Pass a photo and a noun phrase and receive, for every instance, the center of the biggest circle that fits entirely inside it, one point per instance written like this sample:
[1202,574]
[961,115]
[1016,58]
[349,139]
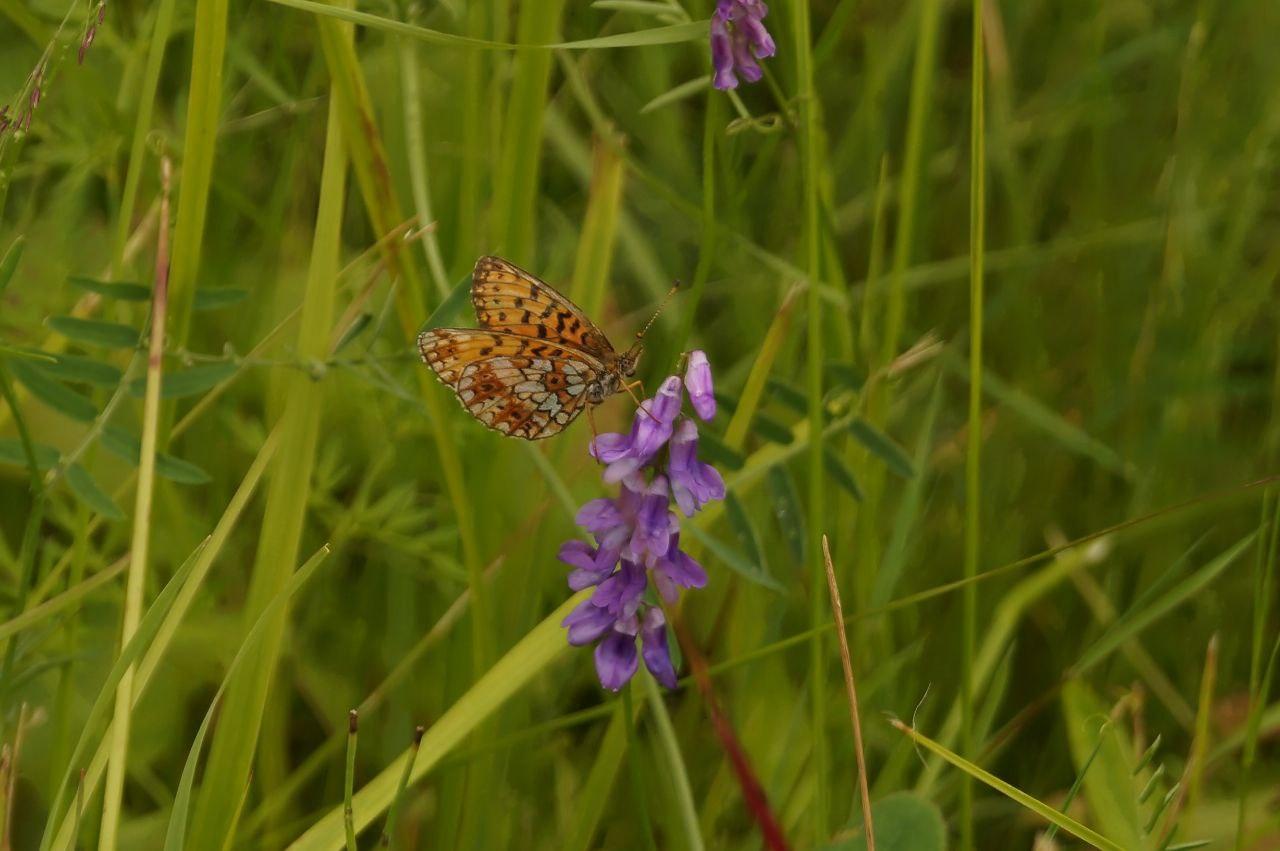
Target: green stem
[349,782]
[973,491]
[713,120]
[917,116]
[140,544]
[810,262]
[415,150]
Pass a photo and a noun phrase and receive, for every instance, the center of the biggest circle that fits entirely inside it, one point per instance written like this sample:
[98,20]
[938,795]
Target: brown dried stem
[847,662]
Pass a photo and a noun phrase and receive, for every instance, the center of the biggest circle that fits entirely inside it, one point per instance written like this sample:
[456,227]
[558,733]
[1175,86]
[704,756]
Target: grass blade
[235,741]
[1133,623]
[675,764]
[175,835]
[396,802]
[600,779]
[539,648]
[202,563]
[1038,807]
[142,638]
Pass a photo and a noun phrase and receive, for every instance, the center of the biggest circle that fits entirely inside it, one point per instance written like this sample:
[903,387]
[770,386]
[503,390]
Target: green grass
[992,307]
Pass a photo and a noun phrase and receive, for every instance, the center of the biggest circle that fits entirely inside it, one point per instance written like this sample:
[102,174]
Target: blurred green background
[331,185]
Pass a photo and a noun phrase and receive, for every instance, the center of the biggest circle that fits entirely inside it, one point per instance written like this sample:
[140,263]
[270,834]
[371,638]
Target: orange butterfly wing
[522,387]
[507,298]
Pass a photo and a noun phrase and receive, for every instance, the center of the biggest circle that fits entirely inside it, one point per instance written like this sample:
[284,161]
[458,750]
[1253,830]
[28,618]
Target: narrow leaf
[91,726]
[109,289]
[1108,784]
[839,373]
[732,559]
[53,393]
[786,510]
[363,321]
[80,370]
[91,494]
[788,395]
[1134,622]
[129,447]
[883,447]
[771,429]
[840,471]
[11,453]
[1036,806]
[451,308]
[175,835]
[531,655]
[213,299]
[684,90]
[65,600]
[93,332]
[744,530]
[717,452]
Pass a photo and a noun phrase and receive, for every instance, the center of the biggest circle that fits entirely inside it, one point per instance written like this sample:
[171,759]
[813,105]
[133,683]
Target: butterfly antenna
[661,305]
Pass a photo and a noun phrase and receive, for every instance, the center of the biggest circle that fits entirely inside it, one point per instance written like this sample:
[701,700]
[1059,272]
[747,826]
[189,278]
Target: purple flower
[654,523]
[693,483]
[657,656]
[738,39]
[677,570]
[616,660]
[586,623]
[620,594]
[697,380]
[590,562]
[637,535]
[626,453]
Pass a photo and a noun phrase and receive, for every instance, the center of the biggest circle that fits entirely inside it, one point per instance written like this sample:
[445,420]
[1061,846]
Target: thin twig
[847,662]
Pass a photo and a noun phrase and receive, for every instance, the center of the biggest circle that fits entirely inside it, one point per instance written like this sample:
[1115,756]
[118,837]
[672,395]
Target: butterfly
[536,362]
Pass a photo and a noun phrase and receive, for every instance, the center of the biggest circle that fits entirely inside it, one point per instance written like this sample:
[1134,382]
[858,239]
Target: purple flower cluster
[738,39]
[637,534]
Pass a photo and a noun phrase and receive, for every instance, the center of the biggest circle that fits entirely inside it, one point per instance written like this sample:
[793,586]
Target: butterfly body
[536,363]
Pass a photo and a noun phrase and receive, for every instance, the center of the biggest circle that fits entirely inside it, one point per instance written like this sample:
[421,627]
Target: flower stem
[637,778]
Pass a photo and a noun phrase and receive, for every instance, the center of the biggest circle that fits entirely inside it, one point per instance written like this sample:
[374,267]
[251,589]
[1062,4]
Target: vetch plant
[637,533]
[738,39]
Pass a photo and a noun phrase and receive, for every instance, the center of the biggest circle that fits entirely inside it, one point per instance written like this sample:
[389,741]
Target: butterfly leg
[595,434]
[630,388]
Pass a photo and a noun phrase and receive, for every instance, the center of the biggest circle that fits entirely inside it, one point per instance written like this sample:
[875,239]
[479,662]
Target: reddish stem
[752,792]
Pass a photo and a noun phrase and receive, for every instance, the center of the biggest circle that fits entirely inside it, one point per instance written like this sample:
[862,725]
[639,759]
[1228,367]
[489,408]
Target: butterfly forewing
[507,298]
[521,386]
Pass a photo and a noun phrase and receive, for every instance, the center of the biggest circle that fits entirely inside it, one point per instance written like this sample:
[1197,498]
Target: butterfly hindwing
[522,387]
[507,298]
